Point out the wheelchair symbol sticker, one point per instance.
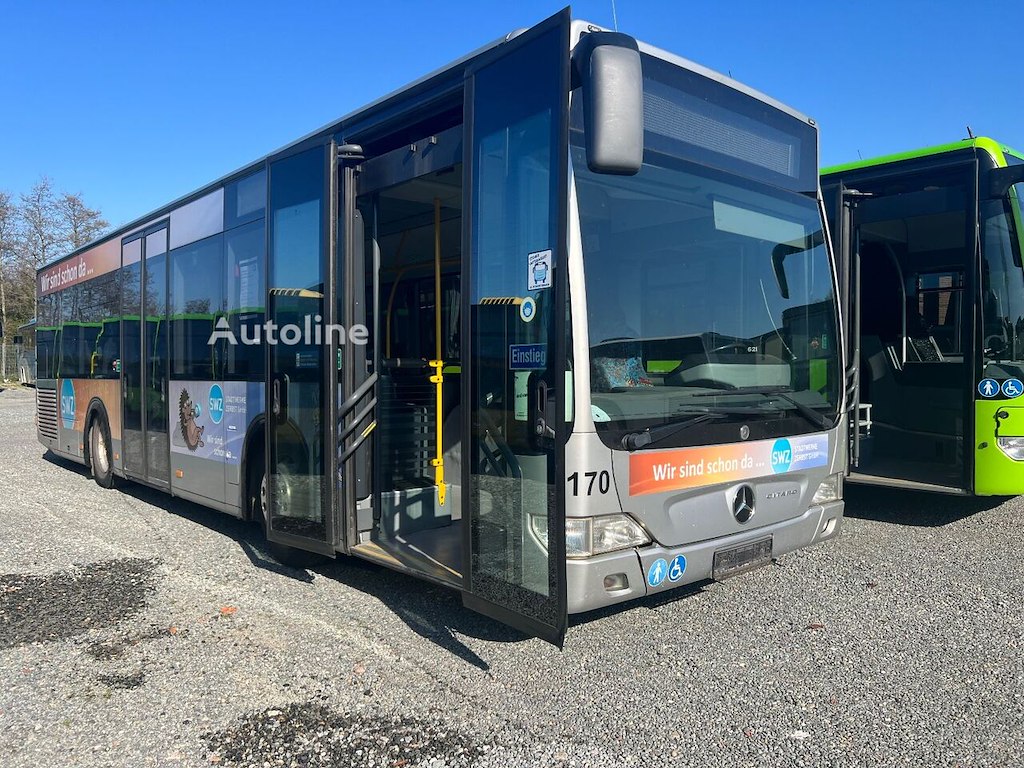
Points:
(1013, 388)
(677, 568)
(988, 387)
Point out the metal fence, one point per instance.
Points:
(17, 364)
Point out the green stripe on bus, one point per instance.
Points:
(991, 146)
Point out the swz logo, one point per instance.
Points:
(216, 404)
(782, 455)
(67, 403)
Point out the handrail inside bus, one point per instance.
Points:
(438, 363)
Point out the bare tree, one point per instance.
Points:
(8, 252)
(41, 230)
(81, 224)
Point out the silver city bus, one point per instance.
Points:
(554, 326)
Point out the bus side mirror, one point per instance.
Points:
(607, 65)
(1001, 179)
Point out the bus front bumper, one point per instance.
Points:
(596, 582)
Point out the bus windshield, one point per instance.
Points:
(1002, 283)
(707, 291)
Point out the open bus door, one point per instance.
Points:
(907, 248)
(513, 498)
(840, 202)
(300, 493)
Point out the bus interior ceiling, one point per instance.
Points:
(914, 260)
(418, 232)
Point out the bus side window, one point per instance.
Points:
(934, 306)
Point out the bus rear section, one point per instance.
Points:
(930, 242)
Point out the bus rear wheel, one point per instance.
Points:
(99, 452)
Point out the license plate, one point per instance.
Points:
(746, 557)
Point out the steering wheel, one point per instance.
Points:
(737, 346)
(995, 344)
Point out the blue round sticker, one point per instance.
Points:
(988, 387)
(677, 568)
(527, 309)
(1013, 388)
(782, 455)
(657, 572)
(67, 403)
(216, 404)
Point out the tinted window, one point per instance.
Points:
(296, 228)
(246, 289)
(156, 339)
(934, 317)
(74, 334)
(47, 321)
(245, 200)
(100, 301)
(1002, 284)
(196, 301)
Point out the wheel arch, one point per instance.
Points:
(95, 408)
(253, 447)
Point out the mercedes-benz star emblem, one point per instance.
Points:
(743, 504)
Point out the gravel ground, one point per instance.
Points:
(137, 630)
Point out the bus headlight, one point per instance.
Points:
(831, 489)
(587, 536)
(1012, 447)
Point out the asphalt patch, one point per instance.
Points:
(39, 609)
(116, 647)
(126, 681)
(316, 736)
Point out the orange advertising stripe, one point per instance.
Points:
(694, 467)
(104, 258)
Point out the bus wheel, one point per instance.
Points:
(99, 452)
(259, 496)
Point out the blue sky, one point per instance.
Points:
(135, 103)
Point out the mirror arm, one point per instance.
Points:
(1001, 179)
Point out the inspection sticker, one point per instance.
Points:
(538, 266)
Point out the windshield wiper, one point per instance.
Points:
(803, 409)
(635, 440)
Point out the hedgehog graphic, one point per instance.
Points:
(190, 431)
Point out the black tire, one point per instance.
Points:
(100, 453)
(258, 498)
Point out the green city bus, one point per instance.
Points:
(929, 245)
(589, 349)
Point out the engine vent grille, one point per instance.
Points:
(46, 413)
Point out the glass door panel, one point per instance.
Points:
(514, 504)
(155, 373)
(298, 501)
(133, 450)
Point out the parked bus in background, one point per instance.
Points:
(25, 353)
(589, 344)
(930, 246)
